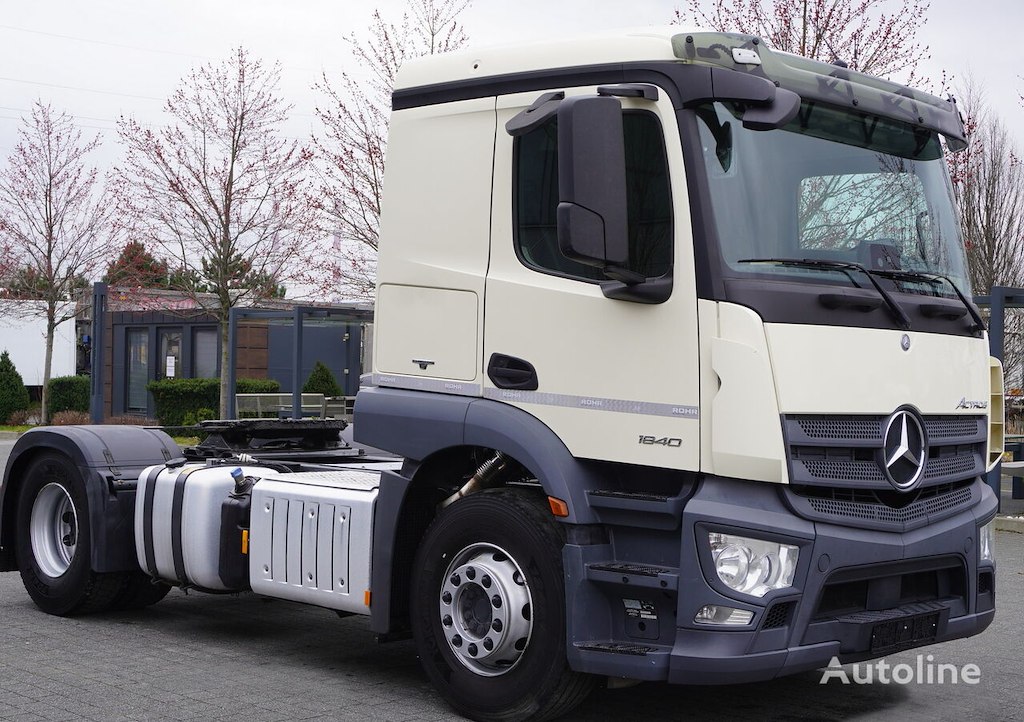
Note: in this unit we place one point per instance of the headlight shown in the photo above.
(753, 566)
(986, 541)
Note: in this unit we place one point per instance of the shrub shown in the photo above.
(194, 418)
(69, 393)
(174, 398)
(13, 394)
(70, 418)
(321, 381)
(256, 386)
(23, 417)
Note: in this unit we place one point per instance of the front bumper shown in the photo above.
(857, 594)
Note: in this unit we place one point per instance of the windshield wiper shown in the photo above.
(979, 323)
(900, 315)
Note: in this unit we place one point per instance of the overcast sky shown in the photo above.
(98, 59)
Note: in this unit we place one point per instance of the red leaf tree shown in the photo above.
(137, 267)
(355, 125)
(221, 192)
(54, 222)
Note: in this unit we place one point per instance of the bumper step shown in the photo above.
(638, 575)
(639, 650)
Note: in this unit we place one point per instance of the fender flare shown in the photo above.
(109, 459)
(417, 424)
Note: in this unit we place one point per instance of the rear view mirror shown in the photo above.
(592, 218)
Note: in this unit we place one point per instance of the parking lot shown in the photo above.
(240, 657)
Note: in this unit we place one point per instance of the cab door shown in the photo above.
(615, 379)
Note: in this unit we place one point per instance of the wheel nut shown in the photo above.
(496, 601)
(447, 621)
(472, 650)
(456, 641)
(446, 598)
(486, 581)
(496, 625)
(456, 580)
(470, 573)
(488, 644)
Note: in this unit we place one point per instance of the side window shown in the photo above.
(535, 200)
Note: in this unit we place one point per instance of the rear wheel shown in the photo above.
(489, 609)
(53, 541)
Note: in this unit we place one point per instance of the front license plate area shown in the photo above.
(898, 634)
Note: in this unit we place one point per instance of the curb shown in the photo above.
(9, 435)
(1010, 523)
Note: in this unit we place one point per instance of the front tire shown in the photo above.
(488, 601)
(53, 541)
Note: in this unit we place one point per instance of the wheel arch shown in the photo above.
(420, 426)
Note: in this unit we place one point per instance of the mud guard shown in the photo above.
(109, 459)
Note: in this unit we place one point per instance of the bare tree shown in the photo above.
(222, 192)
(355, 122)
(54, 222)
(872, 36)
(988, 183)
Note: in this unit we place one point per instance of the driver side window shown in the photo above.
(535, 200)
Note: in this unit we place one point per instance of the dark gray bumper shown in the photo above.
(857, 594)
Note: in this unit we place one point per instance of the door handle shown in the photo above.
(509, 372)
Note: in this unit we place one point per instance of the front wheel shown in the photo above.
(53, 542)
(489, 609)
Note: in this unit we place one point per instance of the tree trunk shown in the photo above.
(51, 325)
(225, 357)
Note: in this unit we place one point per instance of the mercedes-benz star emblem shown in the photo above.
(905, 451)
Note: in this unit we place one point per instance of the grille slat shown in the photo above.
(860, 505)
(861, 429)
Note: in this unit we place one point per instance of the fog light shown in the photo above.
(753, 566)
(716, 614)
(986, 541)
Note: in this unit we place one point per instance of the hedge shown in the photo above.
(69, 393)
(178, 400)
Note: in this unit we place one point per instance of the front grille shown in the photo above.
(847, 451)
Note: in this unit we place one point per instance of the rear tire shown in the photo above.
(53, 541)
(488, 609)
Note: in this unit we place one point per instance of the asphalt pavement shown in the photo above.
(242, 657)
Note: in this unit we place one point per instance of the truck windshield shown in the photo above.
(832, 185)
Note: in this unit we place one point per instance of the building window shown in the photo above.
(204, 353)
(170, 353)
(138, 370)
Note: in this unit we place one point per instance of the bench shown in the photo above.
(279, 405)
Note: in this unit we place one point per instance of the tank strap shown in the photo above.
(148, 489)
(177, 504)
